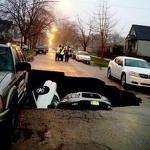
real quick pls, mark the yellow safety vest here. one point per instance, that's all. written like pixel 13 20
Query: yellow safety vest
pixel 58 50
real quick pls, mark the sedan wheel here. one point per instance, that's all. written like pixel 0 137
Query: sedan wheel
pixel 109 73
pixel 123 80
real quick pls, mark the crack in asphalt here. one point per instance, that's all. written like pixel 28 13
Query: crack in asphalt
pixel 82 146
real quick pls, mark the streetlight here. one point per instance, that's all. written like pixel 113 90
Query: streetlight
pixel 54 29
pixel 51 34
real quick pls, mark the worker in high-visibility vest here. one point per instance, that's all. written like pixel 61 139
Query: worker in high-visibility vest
pixel 62 54
pixel 58 51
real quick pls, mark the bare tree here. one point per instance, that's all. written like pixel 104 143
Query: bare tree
pixel 67 33
pixel 5 34
pixel 84 33
pixel 104 27
pixel 117 39
pixel 31 16
pixel 41 23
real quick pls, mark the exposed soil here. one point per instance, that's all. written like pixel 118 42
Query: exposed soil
pixel 57 130
pixel 122 128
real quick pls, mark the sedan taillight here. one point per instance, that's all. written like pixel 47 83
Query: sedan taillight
pixel 1 103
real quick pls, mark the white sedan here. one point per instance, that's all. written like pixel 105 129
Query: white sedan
pixel 130 70
pixel 83 56
pixel 46 96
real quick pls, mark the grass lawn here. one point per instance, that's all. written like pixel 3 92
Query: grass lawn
pixel 28 53
pixel 100 62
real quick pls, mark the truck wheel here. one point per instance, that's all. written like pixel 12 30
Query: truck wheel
pixel 13 114
pixel 14 119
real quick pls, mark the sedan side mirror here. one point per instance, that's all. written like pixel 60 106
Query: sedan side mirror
pixel 23 66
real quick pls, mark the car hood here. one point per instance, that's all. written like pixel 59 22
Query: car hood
pixel 84 56
pixel 5 79
pixel 3 75
pixel 139 70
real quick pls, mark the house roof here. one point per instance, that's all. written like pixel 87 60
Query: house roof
pixel 142 32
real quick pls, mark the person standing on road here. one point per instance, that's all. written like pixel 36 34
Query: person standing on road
pixel 58 51
pixel 67 54
pixel 62 53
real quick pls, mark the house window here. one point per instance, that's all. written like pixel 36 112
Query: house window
pixel 132 32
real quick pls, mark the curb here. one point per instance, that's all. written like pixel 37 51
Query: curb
pixel 30 59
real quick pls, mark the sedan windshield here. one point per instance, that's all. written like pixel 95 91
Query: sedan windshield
pixel 5 59
pixel 90 95
pixel 136 63
pixel 84 53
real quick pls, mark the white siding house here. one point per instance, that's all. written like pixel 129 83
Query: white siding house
pixel 144 47
pixel 138 42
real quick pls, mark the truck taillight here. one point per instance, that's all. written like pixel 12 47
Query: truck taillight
pixel 1 103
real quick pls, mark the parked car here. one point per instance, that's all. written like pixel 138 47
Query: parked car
pixel 14 74
pixel 84 100
pixel 73 54
pixel 41 49
pixel 46 96
pixel 83 57
pixel 129 70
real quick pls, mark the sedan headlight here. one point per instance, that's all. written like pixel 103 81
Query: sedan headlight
pixel 135 74
pixel 88 57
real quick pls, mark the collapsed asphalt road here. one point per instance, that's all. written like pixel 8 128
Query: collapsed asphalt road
pixel 66 85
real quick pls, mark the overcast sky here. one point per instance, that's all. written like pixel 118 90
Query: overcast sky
pixel 125 12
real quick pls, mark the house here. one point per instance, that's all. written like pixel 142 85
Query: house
pixel 9 32
pixel 5 31
pixel 137 42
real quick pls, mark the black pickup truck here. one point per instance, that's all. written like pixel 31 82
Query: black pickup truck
pixel 13 80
